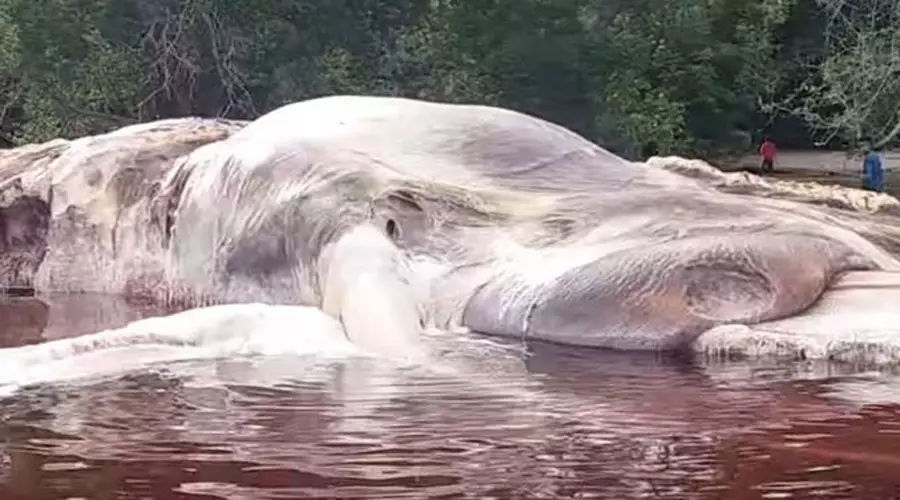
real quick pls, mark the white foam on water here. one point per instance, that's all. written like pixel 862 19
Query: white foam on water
pixel 224 331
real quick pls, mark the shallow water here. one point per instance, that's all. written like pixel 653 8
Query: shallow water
pixel 559 423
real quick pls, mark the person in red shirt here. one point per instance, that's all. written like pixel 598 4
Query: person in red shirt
pixel 767 151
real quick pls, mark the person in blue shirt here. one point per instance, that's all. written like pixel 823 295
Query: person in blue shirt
pixel 873 173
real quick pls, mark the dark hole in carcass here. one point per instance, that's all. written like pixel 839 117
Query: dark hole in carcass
pixel 24 225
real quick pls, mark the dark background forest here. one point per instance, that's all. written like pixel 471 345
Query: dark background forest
pixel 640 77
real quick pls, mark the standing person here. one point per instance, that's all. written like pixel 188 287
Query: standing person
pixel 873 172
pixel 767 151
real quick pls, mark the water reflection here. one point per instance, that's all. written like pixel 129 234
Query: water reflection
pixel 29 320
pixel 22 321
pixel 561 423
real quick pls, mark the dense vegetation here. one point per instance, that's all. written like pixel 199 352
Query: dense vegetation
pixel 639 76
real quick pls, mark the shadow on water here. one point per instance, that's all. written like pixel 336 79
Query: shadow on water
pixel 562 423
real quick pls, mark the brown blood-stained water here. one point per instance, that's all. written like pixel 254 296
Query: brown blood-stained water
pixel 569 424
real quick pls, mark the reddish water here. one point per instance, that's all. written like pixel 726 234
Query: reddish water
pixel 575 424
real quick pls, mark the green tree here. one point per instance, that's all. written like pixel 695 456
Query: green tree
pixel 853 93
pixel 638 76
pixel 689 76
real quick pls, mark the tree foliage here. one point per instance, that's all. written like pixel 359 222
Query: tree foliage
pixel 638 76
pixel 856 93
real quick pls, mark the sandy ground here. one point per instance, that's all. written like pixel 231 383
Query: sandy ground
pixel 818 160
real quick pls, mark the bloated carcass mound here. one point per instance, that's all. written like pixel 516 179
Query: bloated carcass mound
pixel 454 215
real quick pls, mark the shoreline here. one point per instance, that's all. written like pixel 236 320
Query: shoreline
pixel 825 167
pixel 839 162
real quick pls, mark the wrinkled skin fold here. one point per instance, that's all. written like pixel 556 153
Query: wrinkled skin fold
pixel 427 214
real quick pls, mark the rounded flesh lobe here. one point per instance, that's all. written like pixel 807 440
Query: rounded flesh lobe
pixel 720 291
pixel 664 296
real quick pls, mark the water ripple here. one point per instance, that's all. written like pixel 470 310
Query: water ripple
pixel 556 423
